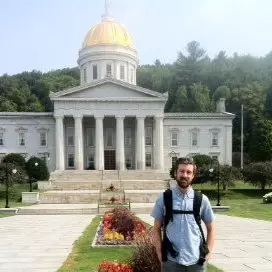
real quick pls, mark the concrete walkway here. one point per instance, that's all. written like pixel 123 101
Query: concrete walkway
pixel 241 244
pixel 38 243
pixel 41 243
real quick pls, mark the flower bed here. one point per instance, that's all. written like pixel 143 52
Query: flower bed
pixel 119 227
pixel 113 267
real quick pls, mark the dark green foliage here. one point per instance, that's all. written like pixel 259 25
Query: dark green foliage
pixel 16 158
pixel 37 172
pixel 202 159
pixel 259 174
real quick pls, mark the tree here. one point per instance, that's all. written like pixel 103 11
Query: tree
pixel 16 158
pixel 222 92
pixel 259 174
pixel 260 143
pixel 189 67
pixel 37 169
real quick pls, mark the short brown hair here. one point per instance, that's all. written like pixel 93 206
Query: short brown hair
pixel 185 160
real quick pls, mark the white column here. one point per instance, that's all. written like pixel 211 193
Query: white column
pixel 120 149
pixel 99 143
pixel 59 143
pixel 158 143
pixel 78 143
pixel 140 149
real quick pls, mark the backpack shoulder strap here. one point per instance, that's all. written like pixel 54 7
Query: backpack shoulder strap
pixel 168 203
pixel 196 210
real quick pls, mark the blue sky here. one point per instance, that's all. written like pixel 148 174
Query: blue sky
pixel 47 34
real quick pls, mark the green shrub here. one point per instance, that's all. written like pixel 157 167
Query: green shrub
pixel 202 160
pixel 15 158
pixel 38 171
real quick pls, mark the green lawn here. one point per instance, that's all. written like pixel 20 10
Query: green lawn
pixel 15 195
pixel 84 258
pixel 244 200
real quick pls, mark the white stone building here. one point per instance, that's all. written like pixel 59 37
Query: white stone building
pixel 108 122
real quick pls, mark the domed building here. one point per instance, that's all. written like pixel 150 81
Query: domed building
pixel 110 123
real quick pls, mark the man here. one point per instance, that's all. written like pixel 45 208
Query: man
pixel 183 231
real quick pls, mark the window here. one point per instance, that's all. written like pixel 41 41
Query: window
pixel 108 69
pixel 215 158
pixel 109 137
pixel 194 138
pixel 174 159
pixel 122 72
pixel 84 75
pixel 148 135
pixel 1 138
pixel 44 156
pixel 128 162
pixel 91 162
pixel 215 138
pixel 90 137
pixel 148 161
pixel 128 136
pixel 174 138
pixel 43 137
pixel 21 139
pixel 95 71
pixel 71 161
pixel 70 140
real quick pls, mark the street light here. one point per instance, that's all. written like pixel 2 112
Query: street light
pixel 218 182
pixel 32 179
pixel 14 171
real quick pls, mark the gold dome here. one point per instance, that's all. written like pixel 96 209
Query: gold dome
pixel 108 32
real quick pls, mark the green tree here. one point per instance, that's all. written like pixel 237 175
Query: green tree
pixel 37 169
pixel 259 174
pixel 222 92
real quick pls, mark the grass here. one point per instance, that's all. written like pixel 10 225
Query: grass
pixel 244 200
pixel 84 258
pixel 15 195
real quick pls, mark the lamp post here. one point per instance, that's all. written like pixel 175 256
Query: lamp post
pixel 14 171
pixel 31 179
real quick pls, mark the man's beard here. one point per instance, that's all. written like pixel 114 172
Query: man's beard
pixel 183 183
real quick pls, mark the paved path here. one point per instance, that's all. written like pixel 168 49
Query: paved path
pixel 41 243
pixel 38 243
pixel 241 244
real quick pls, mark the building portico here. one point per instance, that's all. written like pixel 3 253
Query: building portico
pixel 109 143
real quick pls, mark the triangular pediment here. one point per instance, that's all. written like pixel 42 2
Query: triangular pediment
pixel 108 89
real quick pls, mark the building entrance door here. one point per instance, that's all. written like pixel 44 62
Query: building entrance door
pixel 109 157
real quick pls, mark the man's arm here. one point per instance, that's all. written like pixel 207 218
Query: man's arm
pixel 210 237
pixel 157 238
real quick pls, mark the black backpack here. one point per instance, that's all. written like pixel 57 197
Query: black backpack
pixel 166 244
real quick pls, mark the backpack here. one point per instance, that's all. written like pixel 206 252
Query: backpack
pixel 166 244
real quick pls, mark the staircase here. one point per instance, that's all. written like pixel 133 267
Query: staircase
pixel 89 187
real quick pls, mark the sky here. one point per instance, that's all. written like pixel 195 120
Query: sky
pixel 46 35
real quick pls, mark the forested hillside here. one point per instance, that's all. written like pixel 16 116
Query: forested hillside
pixel 194 83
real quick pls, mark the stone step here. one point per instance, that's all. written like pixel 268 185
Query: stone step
pixel 75 185
pixel 58 209
pixel 70 196
pixel 87 175
pixel 142 196
pixel 144 184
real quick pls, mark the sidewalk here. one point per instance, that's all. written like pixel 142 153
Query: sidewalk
pixel 241 244
pixel 38 243
pixel 41 243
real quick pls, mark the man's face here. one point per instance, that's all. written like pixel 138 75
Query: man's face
pixel 185 175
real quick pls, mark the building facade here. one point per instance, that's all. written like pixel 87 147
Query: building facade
pixel 108 122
